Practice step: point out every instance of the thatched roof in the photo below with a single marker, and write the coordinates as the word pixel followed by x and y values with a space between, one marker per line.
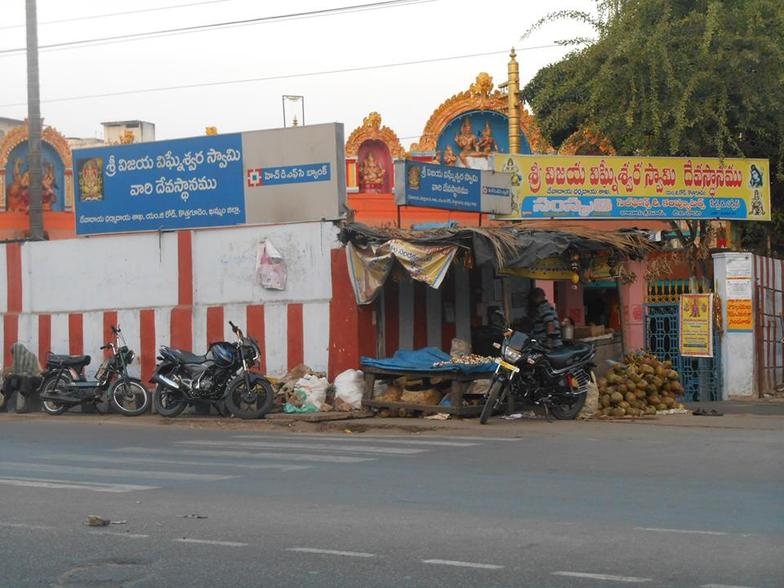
pixel 513 246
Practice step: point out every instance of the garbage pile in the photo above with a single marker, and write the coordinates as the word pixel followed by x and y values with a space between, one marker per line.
pixel 303 390
pixel 639 386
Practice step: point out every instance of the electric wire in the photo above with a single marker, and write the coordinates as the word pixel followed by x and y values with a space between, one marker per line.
pixel 280 76
pixel 113 14
pixel 216 26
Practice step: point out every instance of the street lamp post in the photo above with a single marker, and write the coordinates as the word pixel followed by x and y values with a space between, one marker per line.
pixel 34 126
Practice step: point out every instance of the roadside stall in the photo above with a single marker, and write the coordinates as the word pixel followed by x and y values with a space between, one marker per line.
pixel 459 281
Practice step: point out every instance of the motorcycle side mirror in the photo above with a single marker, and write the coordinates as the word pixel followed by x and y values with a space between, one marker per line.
pixel 497 345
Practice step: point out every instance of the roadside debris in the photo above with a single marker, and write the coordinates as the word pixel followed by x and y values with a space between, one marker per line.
pixel 194 516
pixel 96 521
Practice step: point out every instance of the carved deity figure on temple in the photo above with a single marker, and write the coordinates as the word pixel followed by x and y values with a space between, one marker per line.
pixel 487 144
pixel 466 141
pixel 18 192
pixel 371 173
pixel 449 156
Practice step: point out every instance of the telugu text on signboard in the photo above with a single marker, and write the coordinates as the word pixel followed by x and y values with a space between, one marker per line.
pixel 281 175
pixel 555 186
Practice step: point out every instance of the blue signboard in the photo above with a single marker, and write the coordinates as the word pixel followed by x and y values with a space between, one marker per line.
pixel 179 184
pixel 442 186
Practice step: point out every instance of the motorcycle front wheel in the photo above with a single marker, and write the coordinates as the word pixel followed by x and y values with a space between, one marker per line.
pixel 50 387
pixel 492 401
pixel 250 403
pixel 167 402
pixel 129 397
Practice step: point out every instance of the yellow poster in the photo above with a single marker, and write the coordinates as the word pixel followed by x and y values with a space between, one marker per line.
pixel 561 186
pixel 696 325
pixel 739 315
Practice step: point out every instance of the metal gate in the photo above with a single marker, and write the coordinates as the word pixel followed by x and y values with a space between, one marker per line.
pixel 700 376
pixel 769 323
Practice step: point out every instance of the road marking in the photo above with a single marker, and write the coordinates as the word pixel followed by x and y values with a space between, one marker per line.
pixel 723 586
pixel 118 534
pixel 26 526
pixel 111 472
pixel 330 552
pixel 684 531
pixel 211 542
pixel 71 485
pixel 138 460
pixel 365 439
pixel 311 446
pixel 248 454
pixel 607 577
pixel 462 564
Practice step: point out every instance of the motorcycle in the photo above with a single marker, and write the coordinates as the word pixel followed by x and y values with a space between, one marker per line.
pixel 529 375
pixel 65 386
pixel 221 377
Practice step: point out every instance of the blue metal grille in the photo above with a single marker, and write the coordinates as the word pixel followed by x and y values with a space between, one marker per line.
pixel 700 376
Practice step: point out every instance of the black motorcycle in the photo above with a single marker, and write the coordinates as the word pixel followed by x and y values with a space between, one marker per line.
pixel 219 378
pixel 65 386
pixel 530 375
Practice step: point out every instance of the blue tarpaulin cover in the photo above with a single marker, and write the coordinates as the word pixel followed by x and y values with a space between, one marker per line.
pixel 422 360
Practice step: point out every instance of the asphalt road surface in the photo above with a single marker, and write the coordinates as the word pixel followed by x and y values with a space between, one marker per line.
pixel 562 504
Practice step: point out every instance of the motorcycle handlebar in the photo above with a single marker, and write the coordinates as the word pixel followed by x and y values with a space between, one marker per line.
pixel 107 346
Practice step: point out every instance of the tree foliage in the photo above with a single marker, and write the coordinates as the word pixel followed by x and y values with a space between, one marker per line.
pixel 674 77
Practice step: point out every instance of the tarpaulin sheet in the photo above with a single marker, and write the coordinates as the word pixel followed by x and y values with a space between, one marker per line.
pixel 369 266
pixel 422 360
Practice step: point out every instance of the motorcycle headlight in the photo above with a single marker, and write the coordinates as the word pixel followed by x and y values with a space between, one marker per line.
pixel 511 354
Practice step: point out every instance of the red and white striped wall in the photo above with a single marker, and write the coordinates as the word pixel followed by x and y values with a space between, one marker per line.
pixel 181 289
pixel 416 315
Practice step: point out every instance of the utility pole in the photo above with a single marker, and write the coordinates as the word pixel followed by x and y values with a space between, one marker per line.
pixel 34 125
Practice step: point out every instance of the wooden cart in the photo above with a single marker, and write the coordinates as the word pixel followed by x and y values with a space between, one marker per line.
pixel 460 383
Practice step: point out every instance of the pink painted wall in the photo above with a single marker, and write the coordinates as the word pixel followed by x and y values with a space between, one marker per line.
pixel 632 299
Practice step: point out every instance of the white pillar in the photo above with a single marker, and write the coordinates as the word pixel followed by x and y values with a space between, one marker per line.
pixel 734 277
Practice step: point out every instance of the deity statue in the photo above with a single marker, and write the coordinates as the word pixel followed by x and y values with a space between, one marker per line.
pixel 467 142
pixel 487 144
pixel 371 174
pixel 449 156
pixel 18 192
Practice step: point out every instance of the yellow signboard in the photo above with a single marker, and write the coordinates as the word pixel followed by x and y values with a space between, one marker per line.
pixel 739 315
pixel 560 186
pixel 696 325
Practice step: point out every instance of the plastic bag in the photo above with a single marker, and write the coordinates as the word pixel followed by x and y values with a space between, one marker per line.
pixel 314 390
pixel 270 267
pixel 349 387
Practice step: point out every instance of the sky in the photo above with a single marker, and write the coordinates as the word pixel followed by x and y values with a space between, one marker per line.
pixel 404 95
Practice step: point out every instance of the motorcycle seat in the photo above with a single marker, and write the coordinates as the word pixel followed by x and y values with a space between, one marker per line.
pixel 568 354
pixel 186 356
pixel 68 360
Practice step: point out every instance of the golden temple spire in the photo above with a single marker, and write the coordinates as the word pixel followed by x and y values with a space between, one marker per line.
pixel 513 89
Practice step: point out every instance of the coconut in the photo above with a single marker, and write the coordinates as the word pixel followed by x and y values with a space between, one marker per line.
pixel 630 397
pixel 604 400
pixel 624 404
pixel 616 397
pixel 669 401
pixel 654 399
pixel 673 375
pixel 619 412
pixel 661 406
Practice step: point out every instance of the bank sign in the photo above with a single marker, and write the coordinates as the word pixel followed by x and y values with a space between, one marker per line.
pixel 555 186
pixel 452 188
pixel 257 177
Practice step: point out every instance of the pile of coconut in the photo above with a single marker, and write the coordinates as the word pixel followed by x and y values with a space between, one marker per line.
pixel 640 386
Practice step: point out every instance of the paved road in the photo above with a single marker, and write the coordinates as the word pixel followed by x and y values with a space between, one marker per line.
pixel 563 504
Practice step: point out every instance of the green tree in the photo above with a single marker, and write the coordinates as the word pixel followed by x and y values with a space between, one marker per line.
pixel 675 77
